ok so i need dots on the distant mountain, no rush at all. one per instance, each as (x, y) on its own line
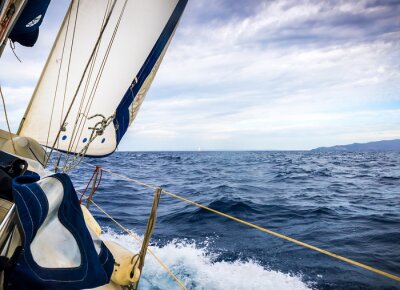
(377, 146)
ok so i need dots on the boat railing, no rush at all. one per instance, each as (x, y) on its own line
(8, 222)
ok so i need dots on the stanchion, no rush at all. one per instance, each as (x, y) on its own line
(94, 186)
(149, 231)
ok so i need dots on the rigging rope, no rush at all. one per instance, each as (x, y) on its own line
(350, 261)
(97, 130)
(62, 124)
(80, 115)
(91, 98)
(262, 229)
(59, 73)
(8, 123)
(12, 46)
(81, 80)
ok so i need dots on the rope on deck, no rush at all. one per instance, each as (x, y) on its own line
(262, 229)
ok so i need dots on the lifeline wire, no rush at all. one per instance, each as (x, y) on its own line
(350, 261)
(328, 253)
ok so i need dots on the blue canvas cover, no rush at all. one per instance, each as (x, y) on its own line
(32, 203)
(26, 30)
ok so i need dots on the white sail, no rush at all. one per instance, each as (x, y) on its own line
(97, 72)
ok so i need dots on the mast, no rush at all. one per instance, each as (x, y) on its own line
(46, 64)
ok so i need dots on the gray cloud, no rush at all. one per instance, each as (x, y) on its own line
(260, 75)
(290, 73)
(300, 22)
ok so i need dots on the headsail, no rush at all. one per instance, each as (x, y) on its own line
(98, 72)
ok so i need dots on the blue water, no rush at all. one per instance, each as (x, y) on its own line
(347, 203)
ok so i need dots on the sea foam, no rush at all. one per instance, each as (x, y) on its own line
(195, 266)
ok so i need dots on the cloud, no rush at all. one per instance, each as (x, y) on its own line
(285, 74)
(259, 75)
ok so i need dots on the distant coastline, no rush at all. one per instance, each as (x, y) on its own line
(376, 146)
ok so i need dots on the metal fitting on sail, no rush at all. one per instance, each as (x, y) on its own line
(64, 127)
(99, 127)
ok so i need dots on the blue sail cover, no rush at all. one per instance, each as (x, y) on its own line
(58, 250)
(26, 30)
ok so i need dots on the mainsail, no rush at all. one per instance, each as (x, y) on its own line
(99, 70)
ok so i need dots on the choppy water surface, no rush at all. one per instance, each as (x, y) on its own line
(347, 203)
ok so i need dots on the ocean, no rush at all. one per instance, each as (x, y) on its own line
(347, 203)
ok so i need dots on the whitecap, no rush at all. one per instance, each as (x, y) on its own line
(196, 268)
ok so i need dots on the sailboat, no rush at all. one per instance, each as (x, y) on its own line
(101, 66)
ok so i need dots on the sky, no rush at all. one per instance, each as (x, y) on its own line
(255, 75)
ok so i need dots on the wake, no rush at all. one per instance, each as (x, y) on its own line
(194, 266)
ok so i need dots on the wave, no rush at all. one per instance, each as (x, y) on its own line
(390, 180)
(231, 205)
(335, 199)
(197, 269)
(270, 214)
